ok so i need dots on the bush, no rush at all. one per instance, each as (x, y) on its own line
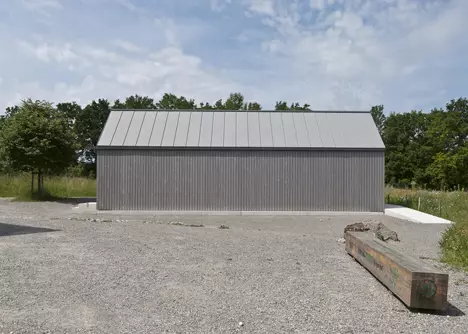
(454, 245)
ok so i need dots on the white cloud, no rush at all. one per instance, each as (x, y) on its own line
(332, 54)
(219, 5)
(261, 7)
(359, 62)
(127, 46)
(42, 6)
(116, 75)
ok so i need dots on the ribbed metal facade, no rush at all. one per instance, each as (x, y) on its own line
(240, 180)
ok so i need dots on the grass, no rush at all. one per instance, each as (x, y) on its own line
(449, 205)
(55, 187)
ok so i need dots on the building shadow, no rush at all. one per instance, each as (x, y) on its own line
(10, 229)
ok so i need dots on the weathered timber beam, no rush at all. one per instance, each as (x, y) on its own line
(414, 282)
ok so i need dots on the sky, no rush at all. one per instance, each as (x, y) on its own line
(331, 54)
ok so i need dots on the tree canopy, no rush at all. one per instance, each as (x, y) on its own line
(37, 137)
(427, 149)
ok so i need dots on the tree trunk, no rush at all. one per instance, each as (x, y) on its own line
(39, 182)
(32, 182)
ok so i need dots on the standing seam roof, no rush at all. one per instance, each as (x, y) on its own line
(240, 129)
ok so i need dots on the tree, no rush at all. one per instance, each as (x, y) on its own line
(173, 102)
(37, 138)
(379, 118)
(135, 102)
(252, 106)
(283, 106)
(71, 110)
(89, 125)
(235, 101)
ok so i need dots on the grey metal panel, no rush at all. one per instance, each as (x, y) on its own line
(122, 129)
(277, 130)
(301, 130)
(266, 137)
(240, 180)
(368, 133)
(289, 129)
(134, 129)
(109, 130)
(171, 129)
(206, 129)
(217, 137)
(254, 129)
(315, 139)
(158, 129)
(323, 129)
(193, 137)
(182, 129)
(337, 126)
(230, 128)
(242, 130)
(146, 128)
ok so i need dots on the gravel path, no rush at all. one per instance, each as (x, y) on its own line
(144, 275)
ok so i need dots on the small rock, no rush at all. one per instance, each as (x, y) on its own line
(241, 324)
(224, 227)
(107, 220)
(341, 240)
(321, 220)
(356, 227)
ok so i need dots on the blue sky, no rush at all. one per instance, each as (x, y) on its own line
(331, 54)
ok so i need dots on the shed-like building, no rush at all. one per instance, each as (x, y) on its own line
(240, 161)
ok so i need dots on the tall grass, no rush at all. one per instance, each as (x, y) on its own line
(449, 205)
(19, 187)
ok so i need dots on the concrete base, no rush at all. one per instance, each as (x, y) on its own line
(91, 206)
(414, 216)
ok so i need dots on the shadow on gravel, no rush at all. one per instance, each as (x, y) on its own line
(451, 311)
(8, 229)
(74, 201)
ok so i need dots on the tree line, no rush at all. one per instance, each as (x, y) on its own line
(428, 150)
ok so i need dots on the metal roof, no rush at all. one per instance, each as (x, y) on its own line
(240, 129)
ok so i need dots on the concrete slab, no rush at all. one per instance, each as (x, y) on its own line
(413, 215)
(91, 206)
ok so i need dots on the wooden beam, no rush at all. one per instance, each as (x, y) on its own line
(414, 282)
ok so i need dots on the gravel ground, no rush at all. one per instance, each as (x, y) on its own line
(144, 275)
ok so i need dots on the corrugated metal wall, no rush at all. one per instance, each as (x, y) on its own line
(238, 180)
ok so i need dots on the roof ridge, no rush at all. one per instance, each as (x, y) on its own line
(250, 111)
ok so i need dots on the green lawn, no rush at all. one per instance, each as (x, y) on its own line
(449, 205)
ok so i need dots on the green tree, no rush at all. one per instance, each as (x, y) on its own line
(173, 102)
(37, 138)
(252, 106)
(89, 125)
(408, 150)
(135, 102)
(205, 106)
(283, 106)
(235, 101)
(379, 118)
(71, 110)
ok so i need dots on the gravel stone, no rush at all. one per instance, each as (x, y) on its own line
(125, 276)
